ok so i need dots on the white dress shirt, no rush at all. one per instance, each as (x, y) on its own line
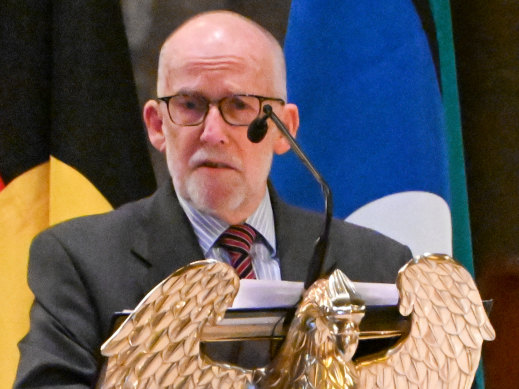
(209, 228)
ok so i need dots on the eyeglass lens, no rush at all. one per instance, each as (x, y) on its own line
(188, 109)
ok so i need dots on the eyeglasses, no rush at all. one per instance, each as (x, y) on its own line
(237, 110)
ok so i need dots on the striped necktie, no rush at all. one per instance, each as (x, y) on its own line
(237, 240)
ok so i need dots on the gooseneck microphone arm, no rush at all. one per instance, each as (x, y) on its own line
(256, 133)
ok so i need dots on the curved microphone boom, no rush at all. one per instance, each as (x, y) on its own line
(256, 132)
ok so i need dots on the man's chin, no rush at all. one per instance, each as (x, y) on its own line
(216, 200)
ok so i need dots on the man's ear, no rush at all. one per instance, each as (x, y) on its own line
(153, 120)
(290, 117)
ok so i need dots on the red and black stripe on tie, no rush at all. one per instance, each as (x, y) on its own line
(237, 240)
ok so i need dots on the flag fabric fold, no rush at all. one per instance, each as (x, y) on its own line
(376, 86)
(71, 136)
(377, 118)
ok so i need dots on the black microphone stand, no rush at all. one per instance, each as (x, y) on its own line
(315, 269)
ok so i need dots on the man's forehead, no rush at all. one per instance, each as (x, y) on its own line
(210, 61)
(203, 46)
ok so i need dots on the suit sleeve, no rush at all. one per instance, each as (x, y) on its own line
(61, 348)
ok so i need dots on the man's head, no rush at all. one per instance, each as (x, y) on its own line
(213, 165)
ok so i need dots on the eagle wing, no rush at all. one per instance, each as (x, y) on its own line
(448, 326)
(158, 344)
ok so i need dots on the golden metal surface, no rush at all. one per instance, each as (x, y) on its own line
(158, 345)
(321, 341)
(264, 327)
(448, 326)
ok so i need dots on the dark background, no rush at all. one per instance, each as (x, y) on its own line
(486, 38)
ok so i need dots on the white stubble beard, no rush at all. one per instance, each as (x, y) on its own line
(215, 197)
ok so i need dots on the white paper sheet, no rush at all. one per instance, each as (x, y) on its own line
(271, 294)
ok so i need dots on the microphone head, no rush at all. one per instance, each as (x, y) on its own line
(257, 129)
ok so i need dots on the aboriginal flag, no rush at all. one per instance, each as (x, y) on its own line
(71, 136)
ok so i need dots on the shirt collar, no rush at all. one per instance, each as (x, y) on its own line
(209, 228)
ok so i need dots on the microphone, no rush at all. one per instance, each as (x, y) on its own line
(257, 129)
(256, 132)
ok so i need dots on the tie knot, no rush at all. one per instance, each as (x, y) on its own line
(237, 240)
(239, 236)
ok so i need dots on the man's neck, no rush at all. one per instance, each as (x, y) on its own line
(230, 215)
(262, 219)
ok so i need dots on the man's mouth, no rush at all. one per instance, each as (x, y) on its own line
(204, 159)
(215, 165)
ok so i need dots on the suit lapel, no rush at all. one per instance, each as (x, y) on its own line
(295, 237)
(166, 240)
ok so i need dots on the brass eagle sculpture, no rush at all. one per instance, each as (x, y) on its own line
(158, 346)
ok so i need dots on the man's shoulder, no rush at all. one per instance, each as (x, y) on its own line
(340, 228)
(372, 256)
(352, 235)
(362, 253)
(123, 217)
(113, 228)
(360, 234)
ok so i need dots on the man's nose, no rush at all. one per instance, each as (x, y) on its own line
(214, 127)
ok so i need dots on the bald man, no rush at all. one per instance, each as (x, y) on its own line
(216, 72)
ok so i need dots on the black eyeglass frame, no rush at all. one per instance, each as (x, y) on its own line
(218, 103)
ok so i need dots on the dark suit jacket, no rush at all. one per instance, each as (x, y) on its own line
(84, 270)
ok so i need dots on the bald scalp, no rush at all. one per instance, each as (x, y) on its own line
(239, 28)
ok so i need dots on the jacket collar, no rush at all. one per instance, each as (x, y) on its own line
(295, 237)
(166, 241)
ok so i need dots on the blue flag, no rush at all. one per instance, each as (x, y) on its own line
(372, 116)
(379, 120)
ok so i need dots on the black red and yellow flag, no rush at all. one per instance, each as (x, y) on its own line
(71, 136)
